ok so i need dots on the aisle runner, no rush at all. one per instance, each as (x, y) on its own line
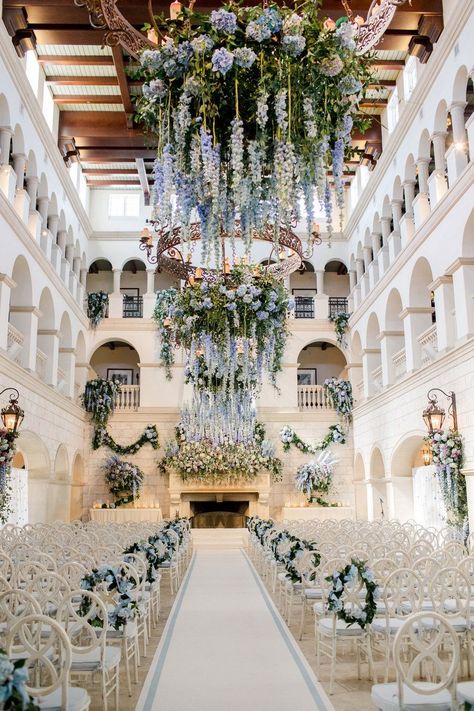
(225, 647)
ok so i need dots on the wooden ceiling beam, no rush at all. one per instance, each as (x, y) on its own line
(391, 64)
(144, 178)
(67, 34)
(117, 55)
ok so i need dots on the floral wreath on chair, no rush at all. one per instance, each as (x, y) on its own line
(356, 568)
(295, 553)
(114, 579)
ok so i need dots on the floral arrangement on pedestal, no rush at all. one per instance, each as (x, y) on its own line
(13, 678)
(203, 460)
(7, 450)
(99, 399)
(251, 107)
(340, 322)
(97, 305)
(447, 455)
(102, 438)
(289, 438)
(315, 478)
(354, 574)
(340, 393)
(110, 578)
(124, 479)
(232, 328)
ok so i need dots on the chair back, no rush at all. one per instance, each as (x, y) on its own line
(84, 617)
(450, 592)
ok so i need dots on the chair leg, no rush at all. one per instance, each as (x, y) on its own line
(333, 665)
(127, 665)
(303, 616)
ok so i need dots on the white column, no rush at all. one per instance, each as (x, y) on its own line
(19, 164)
(61, 240)
(6, 134)
(149, 298)
(320, 281)
(53, 221)
(390, 343)
(421, 204)
(67, 362)
(26, 320)
(42, 207)
(407, 223)
(48, 342)
(6, 285)
(462, 271)
(32, 183)
(367, 252)
(396, 206)
(376, 239)
(359, 269)
(116, 299)
(76, 266)
(437, 180)
(370, 361)
(445, 312)
(83, 277)
(416, 319)
(352, 279)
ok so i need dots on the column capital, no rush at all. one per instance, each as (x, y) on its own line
(457, 105)
(49, 332)
(26, 310)
(423, 161)
(410, 310)
(370, 351)
(439, 134)
(6, 129)
(8, 281)
(408, 181)
(19, 155)
(398, 202)
(458, 263)
(439, 281)
(387, 334)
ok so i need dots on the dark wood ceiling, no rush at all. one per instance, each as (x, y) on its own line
(95, 97)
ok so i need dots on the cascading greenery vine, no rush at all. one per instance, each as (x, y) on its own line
(341, 321)
(7, 451)
(447, 454)
(99, 399)
(101, 438)
(340, 394)
(97, 305)
(289, 438)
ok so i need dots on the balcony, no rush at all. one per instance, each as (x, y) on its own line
(311, 307)
(399, 361)
(337, 305)
(304, 307)
(428, 341)
(313, 397)
(132, 306)
(15, 343)
(128, 398)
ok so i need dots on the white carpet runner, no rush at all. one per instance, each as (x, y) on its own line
(226, 648)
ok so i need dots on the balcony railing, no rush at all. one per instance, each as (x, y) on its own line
(15, 343)
(132, 306)
(128, 398)
(41, 360)
(337, 305)
(304, 307)
(428, 341)
(399, 360)
(313, 397)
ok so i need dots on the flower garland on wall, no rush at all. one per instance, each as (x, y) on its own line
(97, 305)
(447, 454)
(201, 460)
(99, 399)
(232, 328)
(340, 322)
(340, 394)
(288, 436)
(251, 107)
(315, 478)
(102, 438)
(7, 451)
(124, 479)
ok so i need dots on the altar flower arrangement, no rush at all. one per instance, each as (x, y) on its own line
(235, 137)
(99, 399)
(124, 479)
(447, 455)
(202, 460)
(315, 477)
(289, 438)
(13, 678)
(97, 305)
(340, 393)
(341, 321)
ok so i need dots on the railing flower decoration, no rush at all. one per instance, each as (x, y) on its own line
(447, 455)
(99, 399)
(97, 305)
(340, 321)
(340, 393)
(101, 438)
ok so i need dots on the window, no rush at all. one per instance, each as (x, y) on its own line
(126, 205)
(392, 111)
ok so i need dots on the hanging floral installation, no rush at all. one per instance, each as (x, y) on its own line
(251, 108)
(341, 321)
(447, 454)
(97, 306)
(340, 394)
(289, 438)
(99, 399)
(201, 460)
(101, 438)
(232, 329)
(7, 451)
(124, 479)
(315, 478)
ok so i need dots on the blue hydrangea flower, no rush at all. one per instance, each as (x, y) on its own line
(262, 315)
(248, 298)
(224, 21)
(207, 303)
(345, 35)
(242, 290)
(151, 59)
(231, 306)
(293, 44)
(244, 57)
(257, 32)
(202, 44)
(184, 53)
(272, 19)
(156, 89)
(222, 60)
(256, 305)
(230, 295)
(350, 85)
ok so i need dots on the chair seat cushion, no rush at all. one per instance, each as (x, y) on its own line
(313, 593)
(383, 626)
(91, 660)
(465, 691)
(385, 697)
(342, 629)
(78, 699)
(130, 630)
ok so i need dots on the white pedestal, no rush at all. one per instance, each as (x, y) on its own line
(122, 515)
(317, 513)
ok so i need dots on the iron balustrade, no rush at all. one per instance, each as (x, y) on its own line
(132, 306)
(304, 307)
(337, 305)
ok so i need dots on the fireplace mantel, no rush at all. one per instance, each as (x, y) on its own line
(256, 492)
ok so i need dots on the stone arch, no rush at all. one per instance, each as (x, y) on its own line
(336, 281)
(61, 464)
(66, 356)
(373, 360)
(303, 279)
(326, 358)
(46, 352)
(377, 465)
(467, 248)
(53, 205)
(4, 113)
(421, 277)
(22, 293)
(115, 354)
(43, 186)
(424, 145)
(460, 84)
(360, 488)
(406, 455)
(441, 116)
(377, 477)
(395, 337)
(18, 141)
(38, 465)
(359, 468)
(31, 165)
(100, 276)
(21, 303)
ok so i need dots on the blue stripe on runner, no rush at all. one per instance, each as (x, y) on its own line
(321, 703)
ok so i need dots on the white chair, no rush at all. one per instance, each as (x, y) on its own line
(47, 650)
(84, 617)
(435, 653)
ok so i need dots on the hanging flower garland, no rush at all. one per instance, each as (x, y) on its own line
(357, 571)
(251, 107)
(202, 460)
(447, 454)
(341, 321)
(97, 306)
(232, 329)
(315, 477)
(340, 394)
(7, 451)
(101, 438)
(289, 438)
(99, 399)
(110, 578)
(13, 677)
(124, 479)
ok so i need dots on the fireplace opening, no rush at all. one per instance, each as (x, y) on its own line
(218, 514)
